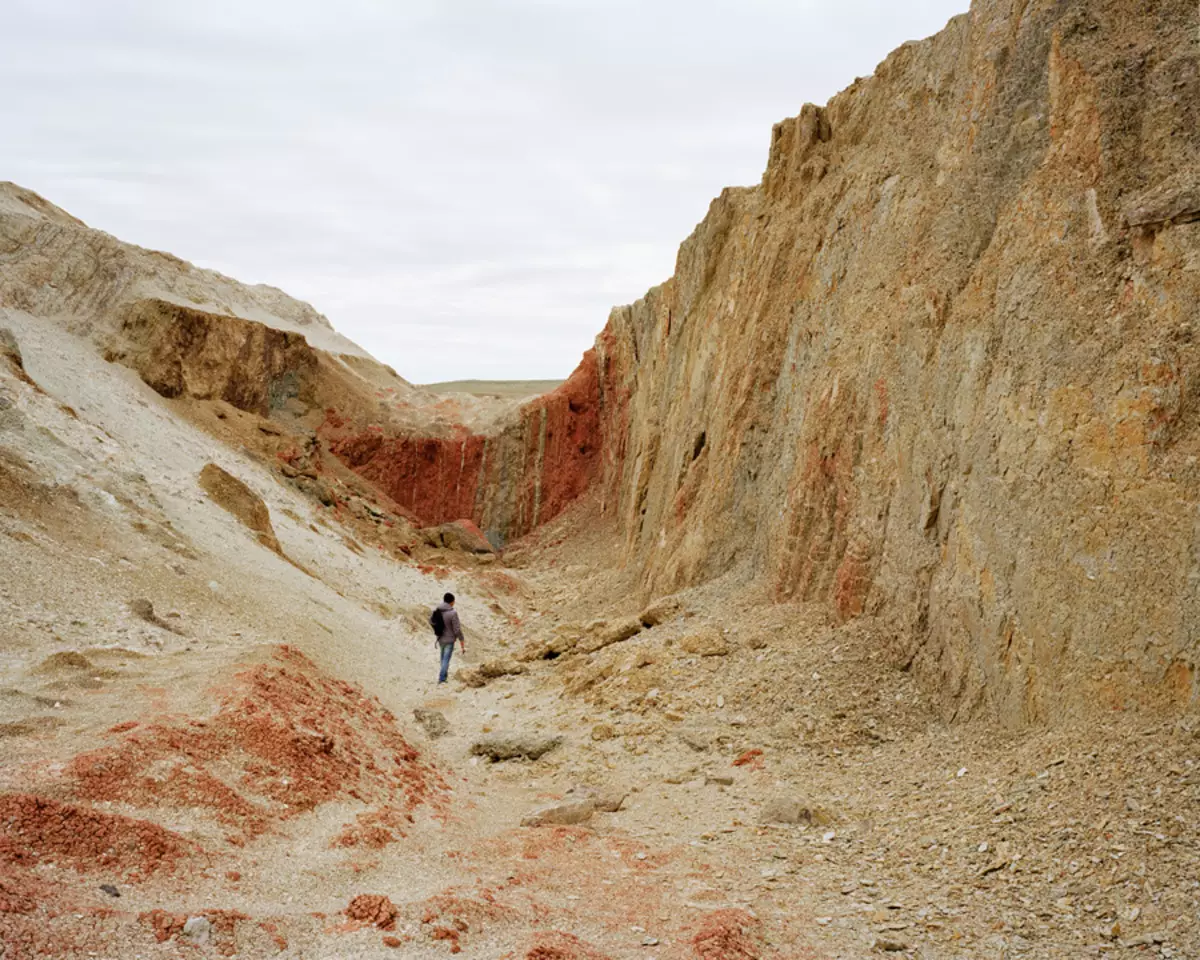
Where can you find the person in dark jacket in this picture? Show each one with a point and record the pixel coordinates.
(446, 625)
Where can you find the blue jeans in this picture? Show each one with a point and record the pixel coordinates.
(447, 653)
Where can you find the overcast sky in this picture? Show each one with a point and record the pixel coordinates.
(465, 187)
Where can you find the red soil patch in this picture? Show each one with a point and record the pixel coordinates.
(447, 933)
(21, 893)
(35, 829)
(562, 946)
(728, 935)
(168, 926)
(373, 908)
(450, 915)
(748, 757)
(375, 829)
(295, 738)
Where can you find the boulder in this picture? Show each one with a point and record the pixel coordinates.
(498, 747)
(709, 642)
(561, 814)
(460, 535)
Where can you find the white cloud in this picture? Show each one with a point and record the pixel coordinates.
(467, 177)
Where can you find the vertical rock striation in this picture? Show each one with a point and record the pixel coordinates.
(940, 366)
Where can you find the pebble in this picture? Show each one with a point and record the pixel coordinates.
(198, 930)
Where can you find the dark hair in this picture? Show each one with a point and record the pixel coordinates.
(448, 598)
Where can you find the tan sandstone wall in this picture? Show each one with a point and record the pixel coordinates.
(941, 366)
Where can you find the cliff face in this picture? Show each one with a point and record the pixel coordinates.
(941, 365)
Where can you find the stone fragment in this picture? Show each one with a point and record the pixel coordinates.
(562, 814)
(10, 350)
(603, 731)
(198, 930)
(229, 493)
(794, 810)
(143, 609)
(373, 908)
(500, 668)
(433, 722)
(460, 535)
(470, 677)
(512, 746)
(617, 632)
(709, 642)
(889, 945)
(660, 612)
(609, 800)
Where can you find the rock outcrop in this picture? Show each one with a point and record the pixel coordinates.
(939, 367)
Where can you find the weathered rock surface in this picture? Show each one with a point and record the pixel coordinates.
(609, 633)
(562, 814)
(513, 746)
(660, 612)
(433, 722)
(493, 669)
(231, 494)
(460, 535)
(937, 366)
(794, 810)
(709, 642)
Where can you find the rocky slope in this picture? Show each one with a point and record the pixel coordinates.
(939, 366)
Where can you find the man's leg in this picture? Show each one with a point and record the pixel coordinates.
(447, 653)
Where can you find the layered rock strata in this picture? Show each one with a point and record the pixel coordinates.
(941, 365)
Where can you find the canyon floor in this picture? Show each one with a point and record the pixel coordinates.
(212, 747)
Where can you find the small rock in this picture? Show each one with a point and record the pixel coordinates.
(500, 668)
(110, 889)
(512, 746)
(617, 632)
(471, 678)
(609, 801)
(709, 642)
(10, 350)
(198, 930)
(793, 810)
(719, 781)
(563, 814)
(887, 945)
(143, 609)
(603, 731)
(660, 612)
(433, 722)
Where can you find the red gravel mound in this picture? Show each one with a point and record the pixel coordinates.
(728, 935)
(285, 740)
(373, 908)
(562, 946)
(36, 830)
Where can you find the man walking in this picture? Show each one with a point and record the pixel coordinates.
(447, 628)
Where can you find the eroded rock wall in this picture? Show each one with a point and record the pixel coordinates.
(941, 366)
